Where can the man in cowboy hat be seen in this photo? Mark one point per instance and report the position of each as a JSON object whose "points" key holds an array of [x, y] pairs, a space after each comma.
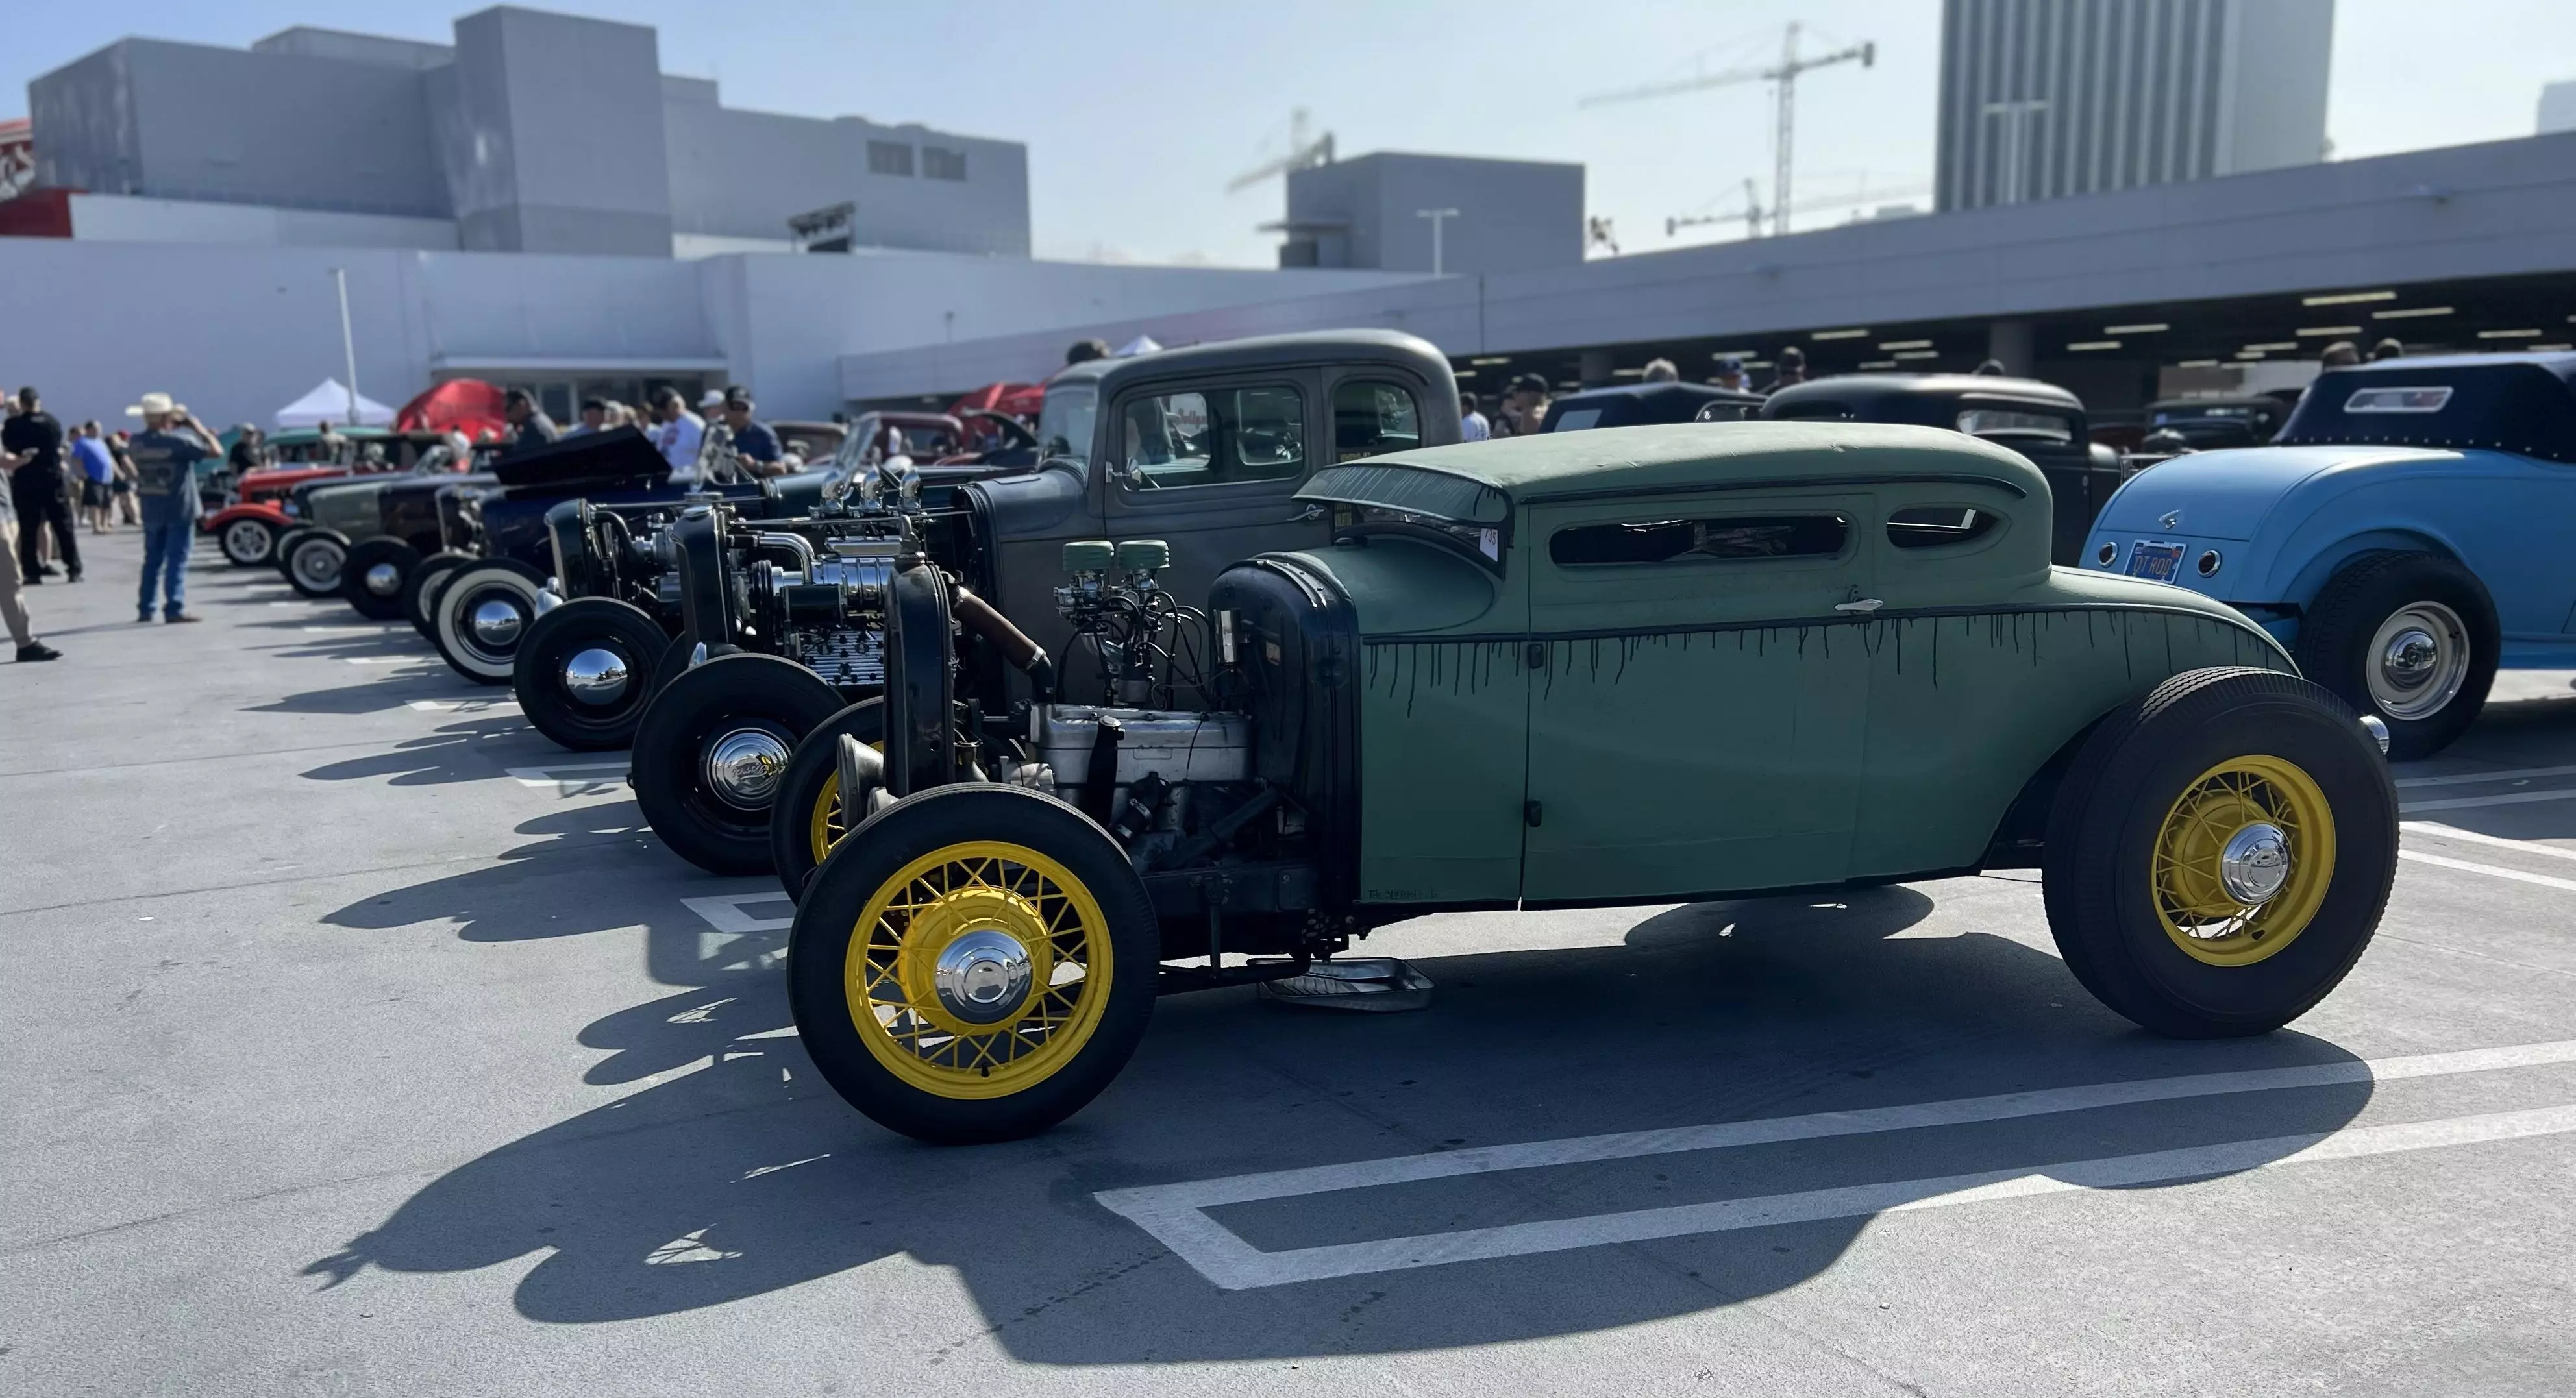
{"points": [[165, 456]]}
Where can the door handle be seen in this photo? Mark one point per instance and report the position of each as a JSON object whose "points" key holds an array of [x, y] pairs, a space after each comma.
{"points": [[1863, 604]]}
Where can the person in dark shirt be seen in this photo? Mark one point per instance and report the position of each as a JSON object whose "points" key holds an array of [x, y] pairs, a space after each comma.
{"points": [[528, 426], [37, 488], [1788, 367], [755, 439]]}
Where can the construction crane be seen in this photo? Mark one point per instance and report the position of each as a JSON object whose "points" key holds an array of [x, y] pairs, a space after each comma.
{"points": [[1752, 212], [1303, 154], [1784, 81]]}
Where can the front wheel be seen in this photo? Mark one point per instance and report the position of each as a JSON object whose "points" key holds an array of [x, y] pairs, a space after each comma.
{"points": [[482, 613], [973, 963], [313, 562], [811, 816], [2220, 852], [2411, 637], [373, 574], [248, 543], [420, 590], [584, 673], [711, 748]]}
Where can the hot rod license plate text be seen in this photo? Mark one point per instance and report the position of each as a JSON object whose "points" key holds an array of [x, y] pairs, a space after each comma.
{"points": [[2157, 561]]}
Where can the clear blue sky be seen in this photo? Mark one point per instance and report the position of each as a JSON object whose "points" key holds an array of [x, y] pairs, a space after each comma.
{"points": [[1136, 112]]}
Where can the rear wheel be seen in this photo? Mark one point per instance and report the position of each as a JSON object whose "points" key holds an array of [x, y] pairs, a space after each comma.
{"points": [[2411, 637], [373, 575], [974, 963], [482, 614], [248, 543], [420, 590], [313, 562], [287, 539], [2220, 852], [810, 816], [583, 675], [711, 749]]}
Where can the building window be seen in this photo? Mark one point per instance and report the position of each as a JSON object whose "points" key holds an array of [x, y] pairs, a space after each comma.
{"points": [[889, 158], [938, 163]]}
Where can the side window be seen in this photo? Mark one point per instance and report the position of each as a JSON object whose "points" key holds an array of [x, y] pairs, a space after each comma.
{"points": [[1372, 418], [1213, 437], [2004, 422], [1738, 539], [1937, 526]]}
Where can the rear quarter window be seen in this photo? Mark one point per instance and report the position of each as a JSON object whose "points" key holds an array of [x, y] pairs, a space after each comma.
{"points": [[1723, 539], [1940, 526]]}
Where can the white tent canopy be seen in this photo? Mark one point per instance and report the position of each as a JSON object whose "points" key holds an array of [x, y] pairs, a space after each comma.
{"points": [[329, 402], [1142, 344]]}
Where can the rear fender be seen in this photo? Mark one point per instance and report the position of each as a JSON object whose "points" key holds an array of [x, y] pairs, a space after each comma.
{"points": [[2303, 572], [263, 511]]}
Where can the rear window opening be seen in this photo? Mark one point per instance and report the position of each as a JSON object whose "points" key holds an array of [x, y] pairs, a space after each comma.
{"points": [[1726, 540], [1939, 526]]}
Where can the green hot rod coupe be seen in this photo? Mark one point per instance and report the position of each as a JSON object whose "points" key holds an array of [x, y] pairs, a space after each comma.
{"points": [[1642, 665]]}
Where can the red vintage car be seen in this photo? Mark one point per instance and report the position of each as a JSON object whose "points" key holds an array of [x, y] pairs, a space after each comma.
{"points": [[258, 511]]}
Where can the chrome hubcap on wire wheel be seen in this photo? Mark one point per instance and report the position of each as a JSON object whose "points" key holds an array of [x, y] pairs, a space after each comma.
{"points": [[983, 976], [2418, 660], [596, 677], [742, 767], [497, 623], [384, 580]]}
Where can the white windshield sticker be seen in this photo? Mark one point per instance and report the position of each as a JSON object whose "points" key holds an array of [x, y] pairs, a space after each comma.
{"points": [[2397, 400]]}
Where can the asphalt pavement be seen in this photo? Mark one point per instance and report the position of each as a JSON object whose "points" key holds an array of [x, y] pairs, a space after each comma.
{"points": [[358, 1041]]}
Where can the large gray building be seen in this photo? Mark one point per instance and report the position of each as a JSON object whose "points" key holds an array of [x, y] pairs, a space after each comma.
{"points": [[1378, 211], [531, 133], [2044, 98]]}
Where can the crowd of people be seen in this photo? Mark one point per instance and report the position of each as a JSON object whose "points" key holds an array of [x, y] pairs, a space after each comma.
{"points": [[676, 430], [1520, 410]]}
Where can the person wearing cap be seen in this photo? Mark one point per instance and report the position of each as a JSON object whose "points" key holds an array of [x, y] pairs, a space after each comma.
{"points": [[36, 487], [594, 418], [165, 456], [1788, 367], [1730, 375], [755, 439], [1525, 410], [13, 601], [529, 426]]}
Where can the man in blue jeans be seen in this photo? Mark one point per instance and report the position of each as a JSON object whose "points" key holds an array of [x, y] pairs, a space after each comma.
{"points": [[165, 456]]}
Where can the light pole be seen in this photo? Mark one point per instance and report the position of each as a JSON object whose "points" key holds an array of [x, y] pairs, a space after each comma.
{"points": [[2016, 115], [348, 342], [1439, 220]]}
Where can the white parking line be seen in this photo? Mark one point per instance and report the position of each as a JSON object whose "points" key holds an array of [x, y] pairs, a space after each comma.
{"points": [[2509, 774], [2446, 832], [346, 630], [725, 912], [2509, 798], [2491, 870], [404, 660], [449, 706], [1175, 1214], [610, 773]]}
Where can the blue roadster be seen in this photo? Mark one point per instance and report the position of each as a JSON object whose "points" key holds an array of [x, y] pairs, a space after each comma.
{"points": [[2407, 533]]}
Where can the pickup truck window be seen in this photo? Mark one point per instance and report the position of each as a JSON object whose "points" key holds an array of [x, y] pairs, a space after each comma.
{"points": [[1373, 418], [1064, 422], [1217, 437], [1736, 539], [2005, 422]]}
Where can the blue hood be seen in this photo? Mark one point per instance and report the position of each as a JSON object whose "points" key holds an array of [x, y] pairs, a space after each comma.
{"points": [[2225, 494]]}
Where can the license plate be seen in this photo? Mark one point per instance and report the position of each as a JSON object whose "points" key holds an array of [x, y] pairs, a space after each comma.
{"points": [[2157, 561]]}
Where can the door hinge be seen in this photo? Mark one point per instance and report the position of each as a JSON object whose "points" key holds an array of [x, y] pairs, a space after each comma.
{"points": [[1529, 814], [1535, 657]]}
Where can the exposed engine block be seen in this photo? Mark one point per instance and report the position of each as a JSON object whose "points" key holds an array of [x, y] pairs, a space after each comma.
{"points": [[848, 657]]}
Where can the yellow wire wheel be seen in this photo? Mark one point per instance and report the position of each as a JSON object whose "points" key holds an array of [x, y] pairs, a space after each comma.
{"points": [[2243, 860], [977, 970], [826, 827]]}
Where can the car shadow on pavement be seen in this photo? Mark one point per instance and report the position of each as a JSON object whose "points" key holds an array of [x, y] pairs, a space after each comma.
{"points": [[393, 689], [744, 1174], [596, 868], [469, 751]]}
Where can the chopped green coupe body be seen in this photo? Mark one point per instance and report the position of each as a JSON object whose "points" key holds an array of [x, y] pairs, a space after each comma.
{"points": [[1715, 658]]}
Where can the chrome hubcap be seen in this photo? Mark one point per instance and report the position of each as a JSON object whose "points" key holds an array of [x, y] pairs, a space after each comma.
{"points": [[318, 564], [743, 767], [246, 540], [384, 579], [983, 976], [2255, 863], [596, 677], [497, 623], [2418, 660]]}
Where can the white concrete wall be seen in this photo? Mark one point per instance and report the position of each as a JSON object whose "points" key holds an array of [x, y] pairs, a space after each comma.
{"points": [[121, 218]]}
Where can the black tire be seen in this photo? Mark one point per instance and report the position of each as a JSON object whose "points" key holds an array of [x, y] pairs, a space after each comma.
{"points": [[2336, 641], [469, 651], [247, 542], [749, 694], [287, 538], [812, 788], [420, 590], [675, 659], [917, 827], [373, 576], [2119, 796], [313, 562], [586, 624]]}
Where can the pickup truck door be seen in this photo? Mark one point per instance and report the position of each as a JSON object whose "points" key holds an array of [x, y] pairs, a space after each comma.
{"points": [[1209, 465], [1696, 719]]}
